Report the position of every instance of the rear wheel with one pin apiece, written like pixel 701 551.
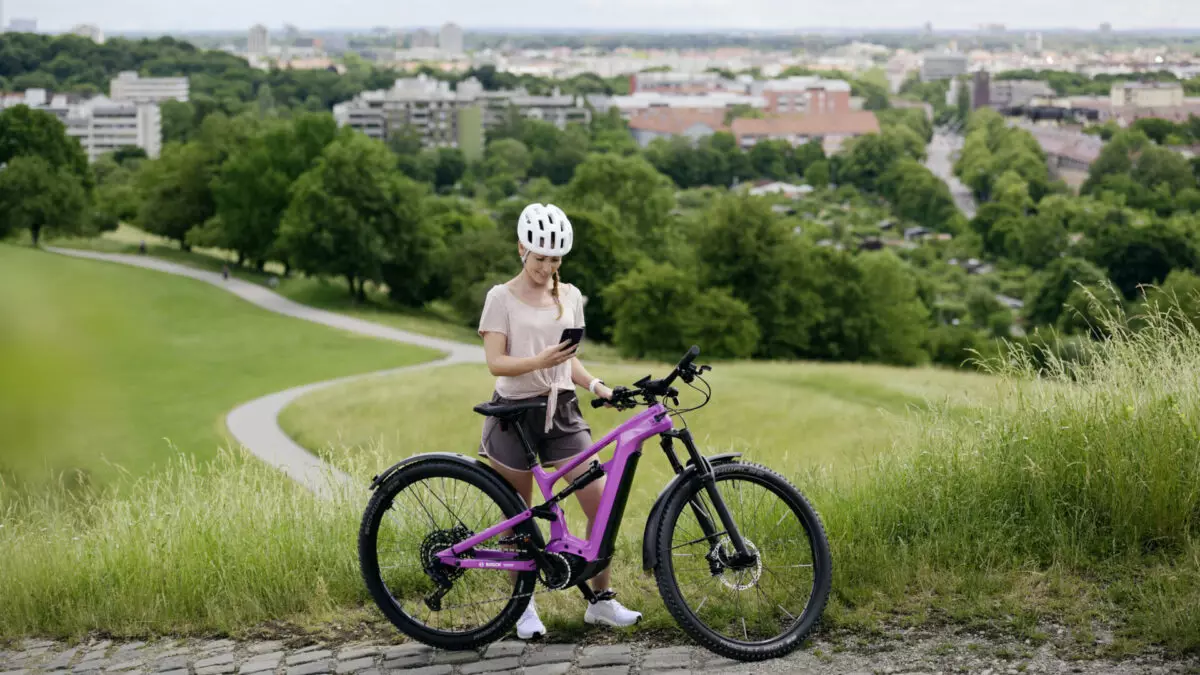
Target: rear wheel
pixel 753 609
pixel 424 508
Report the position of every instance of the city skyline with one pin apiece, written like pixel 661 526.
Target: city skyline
pixel 668 15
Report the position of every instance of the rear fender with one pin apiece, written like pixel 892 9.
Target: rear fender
pixel 527 527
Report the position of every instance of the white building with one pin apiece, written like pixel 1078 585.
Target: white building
pixel 101 124
pixel 258 40
pixel 942 66
pixel 1033 43
pixel 22 26
pixel 90 31
pixel 127 86
pixel 450 39
pixel 645 100
pixel 422 39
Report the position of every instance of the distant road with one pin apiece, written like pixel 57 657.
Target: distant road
pixel 940 161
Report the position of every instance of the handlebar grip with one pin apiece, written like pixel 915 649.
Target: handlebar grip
pixel 598 402
pixel 689 357
pixel 684 363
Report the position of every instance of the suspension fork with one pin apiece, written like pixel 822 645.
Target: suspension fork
pixel 704 472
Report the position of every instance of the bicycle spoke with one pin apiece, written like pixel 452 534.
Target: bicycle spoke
pixel 423 517
pixel 774 534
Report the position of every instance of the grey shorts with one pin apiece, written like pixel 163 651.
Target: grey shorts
pixel 569 434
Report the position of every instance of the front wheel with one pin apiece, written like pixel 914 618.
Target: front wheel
pixel 746 609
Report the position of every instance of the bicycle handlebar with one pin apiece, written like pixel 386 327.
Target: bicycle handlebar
pixel 623 397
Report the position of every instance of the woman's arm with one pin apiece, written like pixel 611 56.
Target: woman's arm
pixel 495 346
pixel 582 378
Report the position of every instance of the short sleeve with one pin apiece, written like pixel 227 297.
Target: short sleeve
pixel 495 313
pixel 578 308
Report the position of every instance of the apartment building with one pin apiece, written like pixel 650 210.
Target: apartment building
pixel 805 95
pixel 833 129
pixel 100 124
pixel 1146 94
pixel 129 86
pixel 452 118
pixel 942 66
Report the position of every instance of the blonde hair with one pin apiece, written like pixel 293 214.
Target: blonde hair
pixel 554 292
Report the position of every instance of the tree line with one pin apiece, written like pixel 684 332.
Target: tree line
pixel 1131 236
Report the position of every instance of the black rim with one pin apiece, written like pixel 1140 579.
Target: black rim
pixel 422 517
pixel 749 603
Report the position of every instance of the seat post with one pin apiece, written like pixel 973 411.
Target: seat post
pixel 530 455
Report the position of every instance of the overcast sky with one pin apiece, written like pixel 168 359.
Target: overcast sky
pixel 176 15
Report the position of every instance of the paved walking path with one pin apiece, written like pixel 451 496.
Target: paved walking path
pixel 913 653
pixel 255 424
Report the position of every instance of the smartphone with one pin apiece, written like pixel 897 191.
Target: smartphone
pixel 572 335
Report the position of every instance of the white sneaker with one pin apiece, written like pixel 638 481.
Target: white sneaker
pixel 529 626
pixel 611 613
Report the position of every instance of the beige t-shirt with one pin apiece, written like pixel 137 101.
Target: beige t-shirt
pixel 530 330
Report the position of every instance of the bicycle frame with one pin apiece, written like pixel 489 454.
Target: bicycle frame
pixel 619 471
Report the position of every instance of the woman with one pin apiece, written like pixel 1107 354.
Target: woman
pixel 521 324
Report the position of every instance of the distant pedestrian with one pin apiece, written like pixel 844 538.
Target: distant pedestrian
pixel 225 272
pixel 273 282
pixel 142 247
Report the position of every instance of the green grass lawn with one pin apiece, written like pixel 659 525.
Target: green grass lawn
pixel 329 294
pixel 106 369
pixel 789 415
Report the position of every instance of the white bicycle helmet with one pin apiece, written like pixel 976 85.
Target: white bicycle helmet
pixel 545 230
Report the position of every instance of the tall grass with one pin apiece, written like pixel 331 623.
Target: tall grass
pixel 1086 471
pixel 1074 497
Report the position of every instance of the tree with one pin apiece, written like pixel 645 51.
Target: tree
pixel 610 134
pixel 1146 176
pixel 556 156
pixel 250 190
pixel 1089 309
pixel 804 156
pixel 1141 255
pixel 918 195
pixel 508 157
pixel 175 191
pixel 817 174
pixel 660 311
pixel 869 158
pixel 115 199
pixel 179 121
pixel 642 197
pixel 769 159
pixel 25 132
pixel 1053 286
pixel 721 325
pixel 963 102
pixel 449 167
pixel 1178 297
pixel 747 251
pixel 1158 130
pixel 598 256
pixel 870 310
pixel 352 214
pixel 649 306
pixel 37 196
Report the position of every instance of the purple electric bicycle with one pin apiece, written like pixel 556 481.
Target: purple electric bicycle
pixel 452 554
